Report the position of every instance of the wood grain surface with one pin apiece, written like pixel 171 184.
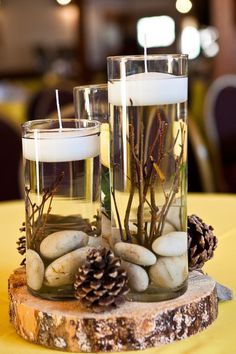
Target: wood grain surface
pixel 67 326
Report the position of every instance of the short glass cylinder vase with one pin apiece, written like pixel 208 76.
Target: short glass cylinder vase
pixel 147 98
pixel 62 201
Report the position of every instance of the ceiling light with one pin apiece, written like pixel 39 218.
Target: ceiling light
pixel 190 42
pixel 63 2
pixel 209 36
pixel 156 31
pixel 183 6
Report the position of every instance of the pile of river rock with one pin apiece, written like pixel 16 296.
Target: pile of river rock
pixel 165 266
pixel 62 252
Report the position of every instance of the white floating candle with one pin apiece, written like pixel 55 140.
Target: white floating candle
pixel 146 89
pixel 60 146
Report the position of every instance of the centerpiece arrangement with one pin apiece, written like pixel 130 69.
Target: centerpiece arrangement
pixel 111 277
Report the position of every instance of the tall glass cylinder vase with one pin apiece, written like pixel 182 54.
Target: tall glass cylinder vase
pixel 148 115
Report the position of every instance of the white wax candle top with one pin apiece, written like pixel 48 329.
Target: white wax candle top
pixel 147 89
pixel 60 146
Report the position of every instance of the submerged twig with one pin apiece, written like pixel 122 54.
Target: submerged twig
pixel 117 215
pixel 36 226
pixel 146 174
pixel 132 183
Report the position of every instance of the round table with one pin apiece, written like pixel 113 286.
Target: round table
pixel 215 209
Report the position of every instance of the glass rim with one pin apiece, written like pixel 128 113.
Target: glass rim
pixel 143 57
pixel 92 86
pixel 28 126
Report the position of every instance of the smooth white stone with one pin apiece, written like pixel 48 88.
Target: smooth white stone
pixel 172 244
pixel 169 272
pixel 133 227
pixel 34 270
pixel 94 241
pixel 62 270
pixel 137 277
pixel 174 215
pixel 62 242
pixel 134 253
pixel 168 228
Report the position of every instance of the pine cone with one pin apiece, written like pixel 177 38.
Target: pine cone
pixel 21 244
pixel 101 283
pixel 201 242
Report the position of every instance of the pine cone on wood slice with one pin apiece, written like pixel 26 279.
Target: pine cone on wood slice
pixel 201 242
pixel 101 283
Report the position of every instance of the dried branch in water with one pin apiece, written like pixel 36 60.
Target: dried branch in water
pixel 145 175
pixel 117 214
pixel 175 185
pixel 132 183
pixel 36 219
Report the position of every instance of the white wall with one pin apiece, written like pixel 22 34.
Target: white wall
pixel 25 24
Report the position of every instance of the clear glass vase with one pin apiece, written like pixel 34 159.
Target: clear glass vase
pixel 148 124
pixel 62 201
pixel 91 102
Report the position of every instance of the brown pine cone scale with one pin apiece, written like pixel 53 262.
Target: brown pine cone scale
pixel 101 283
pixel 201 242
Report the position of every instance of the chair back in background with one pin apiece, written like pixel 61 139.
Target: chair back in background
pixel 220 124
pixel 10 161
pixel 43 103
pixel 200 174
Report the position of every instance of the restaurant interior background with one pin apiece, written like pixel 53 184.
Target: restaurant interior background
pixel 48 44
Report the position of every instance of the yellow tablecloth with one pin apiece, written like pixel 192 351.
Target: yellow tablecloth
pixel 219 338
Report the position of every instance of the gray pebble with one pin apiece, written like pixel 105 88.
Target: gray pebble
pixel 94 241
pixel 137 277
pixel 169 272
pixel 172 244
pixel 174 214
pixel 34 270
pixel 62 242
pixel 134 253
pixel 62 270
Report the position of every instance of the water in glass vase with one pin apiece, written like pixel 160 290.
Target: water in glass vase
pixel 148 177
pixel 62 211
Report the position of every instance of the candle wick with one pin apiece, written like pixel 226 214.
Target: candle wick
pixel 58 110
pixel 145 53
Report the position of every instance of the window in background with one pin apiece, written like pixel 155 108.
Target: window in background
pixel 156 31
pixel 190 38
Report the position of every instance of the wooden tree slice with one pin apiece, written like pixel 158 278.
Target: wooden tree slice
pixel 66 325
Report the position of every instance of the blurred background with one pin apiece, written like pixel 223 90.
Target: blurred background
pixel 48 44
